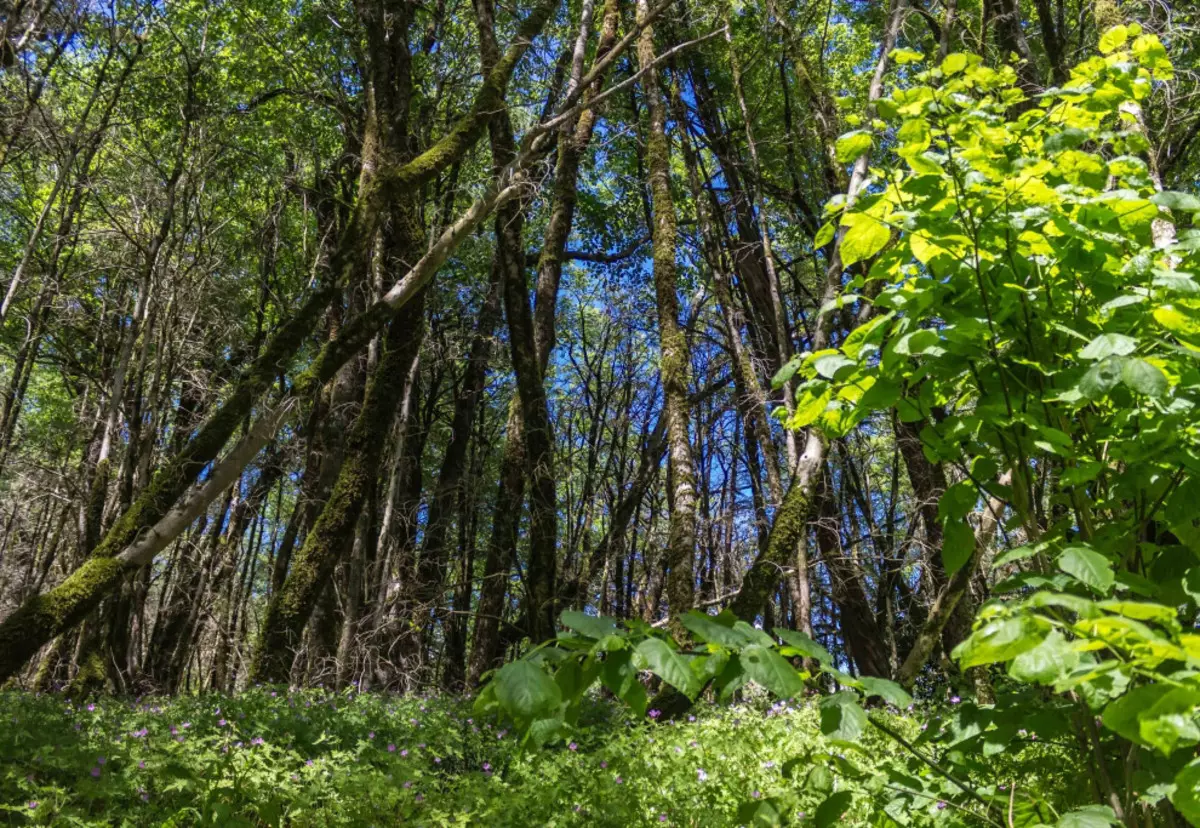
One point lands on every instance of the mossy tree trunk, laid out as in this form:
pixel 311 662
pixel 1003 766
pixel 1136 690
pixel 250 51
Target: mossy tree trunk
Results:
pixel 45 616
pixel 674 361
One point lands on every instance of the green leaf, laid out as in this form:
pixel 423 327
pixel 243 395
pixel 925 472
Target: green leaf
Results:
pixel 1186 797
pixel 819 780
pixel 1100 378
pixel 902 57
pixel 810 406
pixel 1108 344
pixel 761 812
pixel 1047 662
pixel 957 501
pixel 834 366
pixel 1017 554
pixel 889 691
pixel 1170 722
pixel 770 670
pixel 1121 715
pixel 785 373
pixel 621 679
pixel 1143 377
pixel 852 144
pixel 526 692
pixel 1000 639
pixel 668 665
pixel 824 235
pixel 830 811
pixel 1089 567
pixel 842 720
pixel 864 237
pixel 954 63
pixel 1070 138
pixel 706 629
pixel 958 544
pixel 731 678
pixel 1089 816
pixel 1113 39
pixel 593 626
pixel 800 641
pixel 1185 202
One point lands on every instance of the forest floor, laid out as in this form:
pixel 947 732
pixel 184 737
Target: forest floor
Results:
pixel 318 758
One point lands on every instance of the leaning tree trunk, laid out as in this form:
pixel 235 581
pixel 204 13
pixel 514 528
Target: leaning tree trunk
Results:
pixel 161 509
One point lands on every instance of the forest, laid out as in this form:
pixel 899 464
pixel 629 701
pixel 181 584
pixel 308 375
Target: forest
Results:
pixel 600 412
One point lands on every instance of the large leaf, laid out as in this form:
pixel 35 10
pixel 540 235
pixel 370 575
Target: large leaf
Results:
pixel 842 720
pixel 1089 816
pixel 830 811
pixel 957 501
pixel 1121 715
pixel 889 691
pixel 1045 663
pixel 852 144
pixel 1186 797
pixel 864 237
pixel 1100 378
pixel 772 671
pixel 668 665
pixel 1170 722
pixel 1143 377
pixel 801 642
pixel 1000 639
pixel 526 692
pixel 593 626
pixel 620 677
pixel 704 627
pixel 1088 566
pixel 958 544
pixel 1186 202
pixel 1108 344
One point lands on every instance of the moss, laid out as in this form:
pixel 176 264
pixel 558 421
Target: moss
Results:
pixel 791 521
pixel 1107 15
pixel 41 618
pixel 331 535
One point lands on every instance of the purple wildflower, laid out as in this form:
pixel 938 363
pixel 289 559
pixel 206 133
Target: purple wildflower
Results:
pixel 392 749
pixel 701 774
pixel 33 803
pixel 941 806
pixel 572 746
pixel 95 773
pixel 654 714
pixel 91 708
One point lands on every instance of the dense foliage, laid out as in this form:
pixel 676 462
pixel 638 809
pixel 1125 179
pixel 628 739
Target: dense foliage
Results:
pixel 765 413
pixel 320 758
